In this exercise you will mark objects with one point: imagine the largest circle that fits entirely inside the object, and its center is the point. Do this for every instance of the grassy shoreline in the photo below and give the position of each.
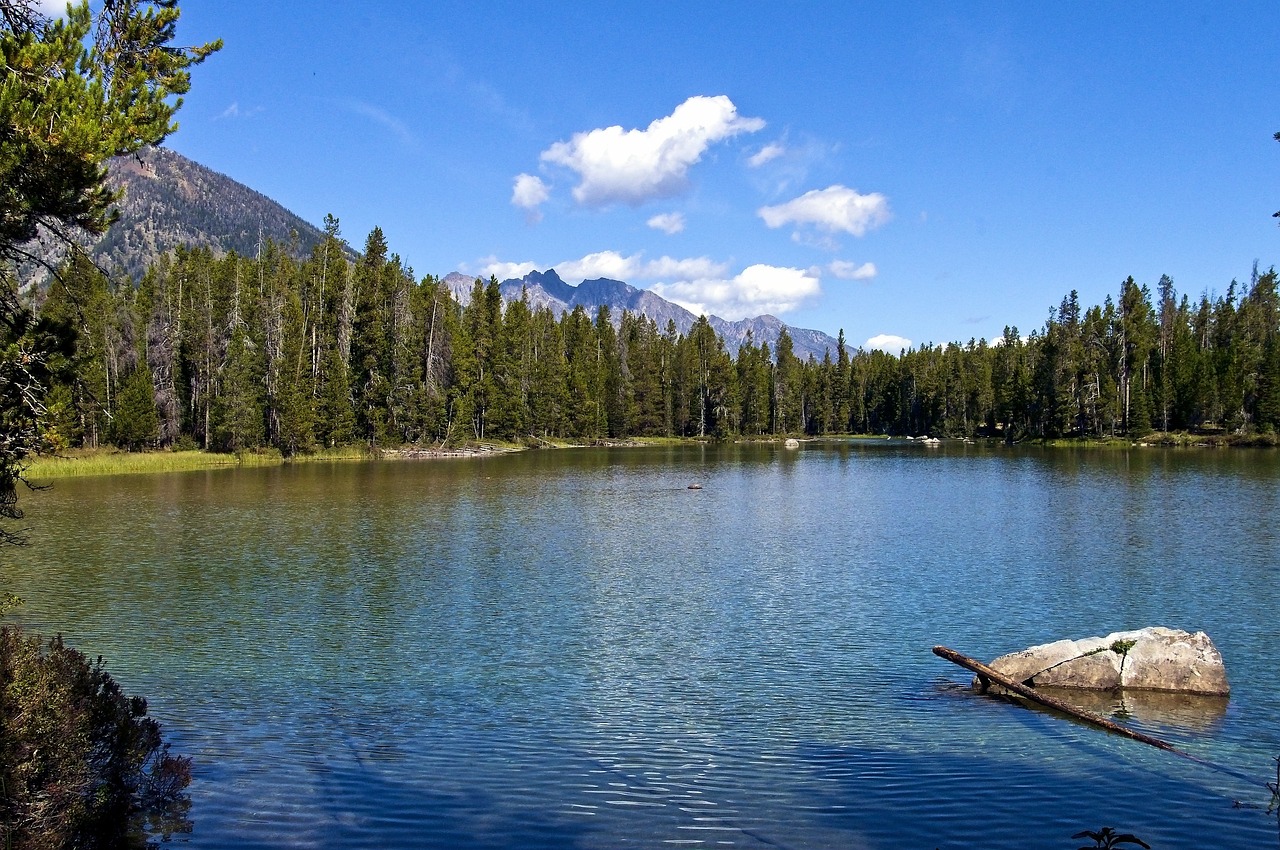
(84, 462)
(81, 462)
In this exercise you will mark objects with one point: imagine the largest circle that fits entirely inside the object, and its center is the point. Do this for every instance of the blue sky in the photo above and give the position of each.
(929, 172)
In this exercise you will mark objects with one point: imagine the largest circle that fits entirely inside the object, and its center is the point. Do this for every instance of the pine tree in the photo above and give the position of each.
(788, 390)
(585, 413)
(135, 425)
(614, 387)
(293, 400)
(77, 92)
(549, 400)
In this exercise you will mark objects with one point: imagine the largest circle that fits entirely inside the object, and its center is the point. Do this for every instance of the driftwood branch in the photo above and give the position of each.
(986, 675)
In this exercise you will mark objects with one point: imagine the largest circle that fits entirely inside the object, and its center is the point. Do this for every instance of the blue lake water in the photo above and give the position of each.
(572, 649)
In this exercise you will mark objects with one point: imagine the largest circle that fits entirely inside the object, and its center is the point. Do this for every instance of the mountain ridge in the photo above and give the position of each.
(547, 289)
(171, 201)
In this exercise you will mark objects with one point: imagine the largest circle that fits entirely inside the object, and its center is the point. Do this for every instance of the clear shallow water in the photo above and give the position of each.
(572, 649)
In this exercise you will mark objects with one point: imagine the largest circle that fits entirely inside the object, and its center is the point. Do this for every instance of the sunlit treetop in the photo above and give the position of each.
(75, 92)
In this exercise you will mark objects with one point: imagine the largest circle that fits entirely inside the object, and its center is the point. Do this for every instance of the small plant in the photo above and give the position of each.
(1107, 838)
(1122, 647)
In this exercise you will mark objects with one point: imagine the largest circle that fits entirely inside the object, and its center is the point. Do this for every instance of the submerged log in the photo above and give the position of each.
(987, 675)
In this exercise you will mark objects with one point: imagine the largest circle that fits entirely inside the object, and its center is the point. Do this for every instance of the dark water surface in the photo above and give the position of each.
(571, 649)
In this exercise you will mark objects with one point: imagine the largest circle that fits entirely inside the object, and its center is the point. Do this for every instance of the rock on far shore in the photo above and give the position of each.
(1154, 658)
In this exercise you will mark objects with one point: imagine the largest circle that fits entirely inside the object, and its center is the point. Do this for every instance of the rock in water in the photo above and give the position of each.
(1154, 658)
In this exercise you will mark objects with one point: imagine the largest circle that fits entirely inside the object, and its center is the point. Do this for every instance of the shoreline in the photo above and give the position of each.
(79, 463)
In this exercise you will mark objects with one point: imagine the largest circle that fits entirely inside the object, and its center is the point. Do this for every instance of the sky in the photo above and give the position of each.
(908, 173)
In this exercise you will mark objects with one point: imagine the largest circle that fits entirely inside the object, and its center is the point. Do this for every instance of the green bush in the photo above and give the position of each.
(78, 757)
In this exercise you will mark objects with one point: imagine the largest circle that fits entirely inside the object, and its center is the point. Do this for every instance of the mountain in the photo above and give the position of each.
(170, 201)
(546, 289)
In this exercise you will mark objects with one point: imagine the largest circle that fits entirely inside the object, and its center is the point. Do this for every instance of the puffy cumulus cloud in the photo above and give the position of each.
(669, 223)
(614, 265)
(52, 8)
(833, 209)
(768, 153)
(756, 289)
(689, 268)
(529, 192)
(889, 343)
(846, 270)
(608, 264)
(634, 166)
(492, 266)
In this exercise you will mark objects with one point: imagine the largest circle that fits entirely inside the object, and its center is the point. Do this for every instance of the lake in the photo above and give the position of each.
(572, 649)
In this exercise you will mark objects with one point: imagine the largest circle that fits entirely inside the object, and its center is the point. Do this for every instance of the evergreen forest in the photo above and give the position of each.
(235, 353)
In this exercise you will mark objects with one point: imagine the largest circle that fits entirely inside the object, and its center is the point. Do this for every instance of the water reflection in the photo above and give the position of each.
(1150, 710)
(572, 649)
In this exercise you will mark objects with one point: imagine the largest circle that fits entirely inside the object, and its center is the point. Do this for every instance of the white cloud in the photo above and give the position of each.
(836, 208)
(608, 264)
(769, 152)
(669, 268)
(889, 343)
(669, 223)
(611, 264)
(846, 270)
(634, 166)
(492, 266)
(633, 268)
(756, 289)
(52, 8)
(234, 111)
(529, 192)
(380, 116)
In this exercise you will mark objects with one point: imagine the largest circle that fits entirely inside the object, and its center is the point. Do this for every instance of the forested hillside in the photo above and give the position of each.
(168, 201)
(232, 352)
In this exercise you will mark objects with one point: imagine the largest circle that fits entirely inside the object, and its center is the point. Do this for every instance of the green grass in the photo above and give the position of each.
(355, 452)
(77, 462)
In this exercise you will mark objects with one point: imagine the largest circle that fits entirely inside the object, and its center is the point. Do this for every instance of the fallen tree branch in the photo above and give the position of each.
(986, 675)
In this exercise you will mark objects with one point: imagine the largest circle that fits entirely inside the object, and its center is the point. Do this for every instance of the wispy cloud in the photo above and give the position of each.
(442, 68)
(234, 111)
(768, 153)
(383, 118)
(845, 270)
(634, 166)
(780, 168)
(669, 223)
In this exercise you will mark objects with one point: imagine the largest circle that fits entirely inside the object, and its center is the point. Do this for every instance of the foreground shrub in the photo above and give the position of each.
(78, 758)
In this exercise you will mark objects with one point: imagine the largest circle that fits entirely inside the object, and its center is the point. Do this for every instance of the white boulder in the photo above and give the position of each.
(1154, 658)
